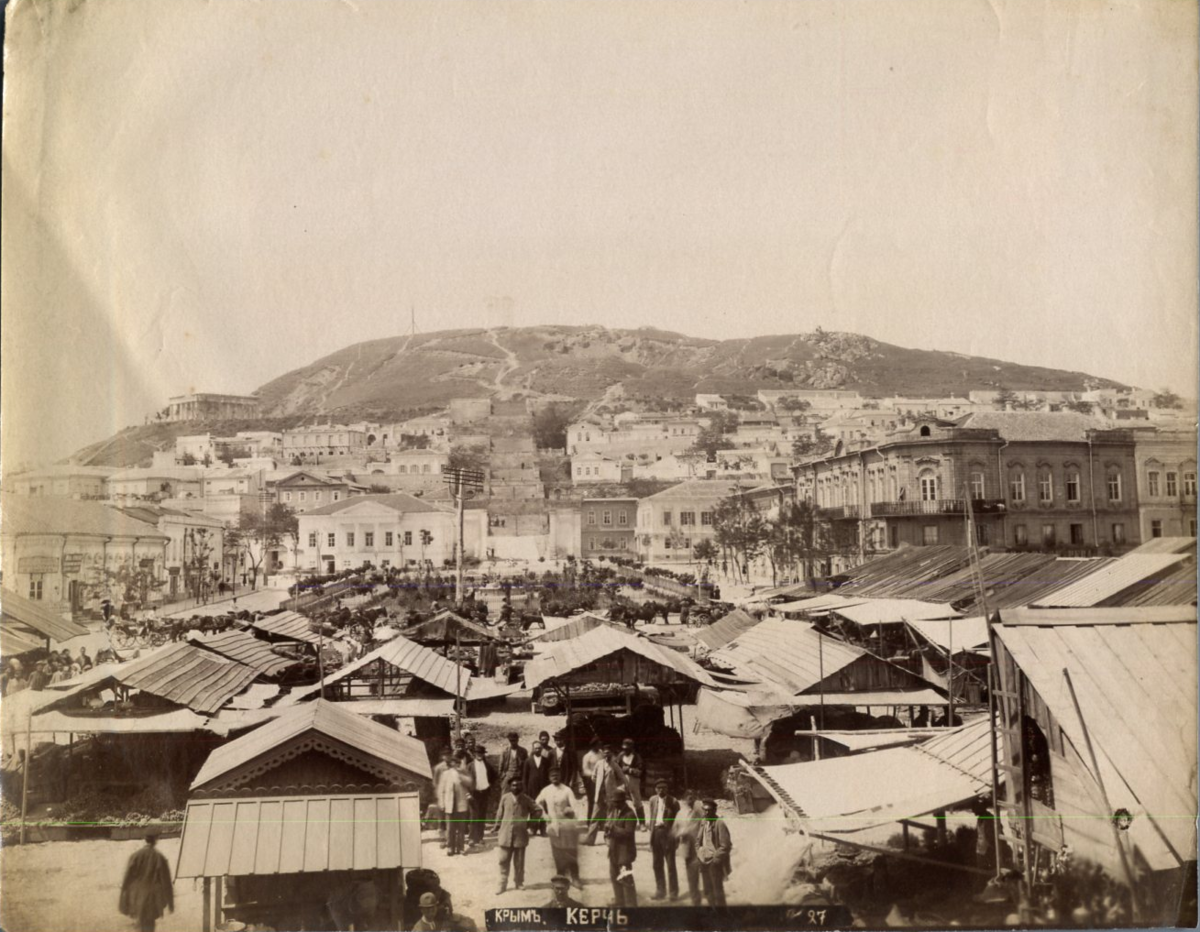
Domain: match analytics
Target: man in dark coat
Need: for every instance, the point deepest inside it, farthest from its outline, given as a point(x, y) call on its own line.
point(536, 777)
point(713, 849)
point(620, 829)
point(512, 760)
point(661, 812)
point(146, 890)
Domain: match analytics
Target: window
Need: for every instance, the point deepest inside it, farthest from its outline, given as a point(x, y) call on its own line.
point(1114, 486)
point(316, 496)
point(287, 496)
point(1020, 535)
point(1152, 483)
point(929, 534)
point(982, 534)
point(687, 518)
point(893, 533)
point(424, 467)
point(1048, 535)
point(388, 539)
point(706, 519)
point(976, 486)
point(407, 538)
point(349, 538)
point(1016, 486)
point(606, 518)
point(666, 519)
point(1172, 484)
point(622, 518)
point(303, 496)
point(337, 496)
point(368, 538)
point(403, 470)
point(1036, 751)
point(1077, 534)
point(1073, 487)
point(330, 540)
point(591, 516)
point(35, 588)
point(1046, 487)
point(929, 491)
point(1118, 533)
point(312, 539)
point(1156, 528)
point(1189, 484)
point(1191, 527)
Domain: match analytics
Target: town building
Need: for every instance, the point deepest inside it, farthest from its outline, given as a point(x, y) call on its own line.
point(818, 399)
point(434, 426)
point(395, 530)
point(1166, 483)
point(206, 406)
point(608, 526)
point(316, 443)
point(1030, 480)
point(63, 481)
point(305, 490)
point(71, 554)
point(155, 483)
point(416, 463)
point(596, 467)
point(670, 523)
point(195, 558)
point(711, 403)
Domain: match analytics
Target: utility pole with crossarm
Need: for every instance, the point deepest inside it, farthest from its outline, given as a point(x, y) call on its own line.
point(461, 480)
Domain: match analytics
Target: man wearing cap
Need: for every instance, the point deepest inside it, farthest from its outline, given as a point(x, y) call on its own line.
point(562, 889)
point(631, 762)
point(662, 809)
point(558, 803)
point(620, 829)
point(512, 760)
point(429, 914)
point(512, 827)
point(713, 847)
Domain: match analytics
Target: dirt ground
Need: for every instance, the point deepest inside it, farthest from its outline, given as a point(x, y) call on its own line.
point(73, 886)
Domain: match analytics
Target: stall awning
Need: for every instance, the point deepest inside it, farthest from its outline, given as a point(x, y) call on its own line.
point(299, 835)
point(821, 603)
point(850, 794)
point(894, 611)
point(886, 697)
point(291, 625)
point(957, 633)
point(178, 721)
point(16, 610)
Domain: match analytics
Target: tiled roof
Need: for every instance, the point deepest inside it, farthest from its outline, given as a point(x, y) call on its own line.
point(51, 515)
point(399, 502)
point(1035, 425)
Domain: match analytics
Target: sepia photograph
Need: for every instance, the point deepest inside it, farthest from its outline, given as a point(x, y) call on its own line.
point(650, 466)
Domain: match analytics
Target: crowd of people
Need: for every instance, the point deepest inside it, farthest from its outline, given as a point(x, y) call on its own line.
point(55, 667)
point(536, 796)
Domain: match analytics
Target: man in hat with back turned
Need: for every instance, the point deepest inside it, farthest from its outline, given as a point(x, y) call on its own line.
point(146, 890)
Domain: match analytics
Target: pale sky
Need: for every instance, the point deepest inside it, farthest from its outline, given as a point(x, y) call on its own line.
point(205, 195)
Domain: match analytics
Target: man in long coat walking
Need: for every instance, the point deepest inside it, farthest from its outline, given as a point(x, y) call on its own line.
point(512, 826)
point(147, 890)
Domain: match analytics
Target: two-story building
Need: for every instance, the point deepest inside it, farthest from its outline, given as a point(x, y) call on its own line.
point(608, 526)
point(195, 558)
point(394, 530)
point(155, 483)
point(305, 490)
point(670, 523)
point(1166, 482)
point(63, 481)
point(596, 467)
point(315, 443)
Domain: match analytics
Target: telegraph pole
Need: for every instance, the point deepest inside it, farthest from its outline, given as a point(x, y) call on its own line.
point(461, 480)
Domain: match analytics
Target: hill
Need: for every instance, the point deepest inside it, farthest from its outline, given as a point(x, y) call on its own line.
point(382, 378)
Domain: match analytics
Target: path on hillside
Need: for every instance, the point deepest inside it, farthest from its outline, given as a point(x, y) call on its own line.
point(342, 381)
point(511, 363)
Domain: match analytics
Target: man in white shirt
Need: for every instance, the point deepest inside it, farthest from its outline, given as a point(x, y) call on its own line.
point(485, 778)
point(590, 760)
point(558, 802)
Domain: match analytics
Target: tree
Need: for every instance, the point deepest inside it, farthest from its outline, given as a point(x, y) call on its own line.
point(739, 531)
point(550, 427)
point(1079, 407)
point(377, 488)
point(705, 551)
point(229, 454)
point(711, 438)
point(263, 530)
point(791, 403)
point(188, 459)
point(815, 445)
point(1006, 399)
point(1167, 399)
point(414, 442)
point(468, 457)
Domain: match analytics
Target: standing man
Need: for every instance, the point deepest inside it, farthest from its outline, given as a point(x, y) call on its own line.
point(562, 894)
point(439, 771)
point(547, 751)
point(512, 760)
point(607, 777)
point(454, 794)
point(663, 808)
point(588, 770)
point(481, 790)
point(558, 803)
point(512, 825)
point(620, 829)
point(687, 833)
point(429, 914)
point(631, 762)
point(146, 890)
point(713, 848)
point(535, 778)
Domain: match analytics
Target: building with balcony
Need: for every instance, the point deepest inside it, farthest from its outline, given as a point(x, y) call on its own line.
point(1042, 481)
point(304, 490)
point(317, 443)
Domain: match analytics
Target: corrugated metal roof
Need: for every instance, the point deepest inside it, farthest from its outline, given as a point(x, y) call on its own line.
point(1136, 685)
point(176, 721)
point(445, 625)
point(1176, 587)
point(244, 648)
point(423, 663)
point(821, 603)
point(19, 610)
point(574, 627)
point(894, 611)
point(849, 794)
point(788, 653)
point(287, 625)
point(721, 632)
point(858, 741)
point(299, 835)
point(1167, 545)
point(905, 573)
point(331, 720)
point(958, 633)
point(1001, 573)
point(1130, 572)
point(184, 674)
point(1048, 577)
point(598, 643)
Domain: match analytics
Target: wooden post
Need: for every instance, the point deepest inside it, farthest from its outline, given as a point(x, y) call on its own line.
point(206, 906)
point(70, 753)
point(218, 902)
point(682, 747)
point(25, 771)
point(1116, 833)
